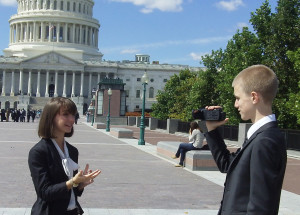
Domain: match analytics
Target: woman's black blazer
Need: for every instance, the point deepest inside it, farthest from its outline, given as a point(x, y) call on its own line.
point(49, 179)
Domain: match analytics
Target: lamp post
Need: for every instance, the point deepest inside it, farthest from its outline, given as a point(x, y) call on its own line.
point(109, 92)
point(145, 80)
point(93, 105)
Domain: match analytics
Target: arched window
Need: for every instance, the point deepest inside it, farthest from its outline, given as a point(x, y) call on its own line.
point(151, 92)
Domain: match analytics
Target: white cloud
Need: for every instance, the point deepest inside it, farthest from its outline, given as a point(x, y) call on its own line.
point(240, 25)
point(230, 5)
point(129, 51)
point(8, 2)
point(197, 56)
point(141, 47)
point(150, 5)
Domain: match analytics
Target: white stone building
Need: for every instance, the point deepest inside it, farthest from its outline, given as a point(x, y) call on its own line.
point(53, 51)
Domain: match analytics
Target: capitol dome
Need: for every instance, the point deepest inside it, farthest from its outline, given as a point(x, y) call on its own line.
point(64, 26)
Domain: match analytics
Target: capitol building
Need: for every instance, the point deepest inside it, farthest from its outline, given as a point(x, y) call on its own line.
point(53, 51)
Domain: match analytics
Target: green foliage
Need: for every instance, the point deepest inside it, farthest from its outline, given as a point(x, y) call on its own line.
point(275, 43)
point(294, 97)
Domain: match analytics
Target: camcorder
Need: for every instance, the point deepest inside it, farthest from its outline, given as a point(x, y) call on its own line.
point(209, 115)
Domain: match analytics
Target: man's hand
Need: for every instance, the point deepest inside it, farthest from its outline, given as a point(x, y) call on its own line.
point(212, 125)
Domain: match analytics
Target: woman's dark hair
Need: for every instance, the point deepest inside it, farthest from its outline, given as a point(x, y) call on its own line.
point(194, 125)
point(51, 109)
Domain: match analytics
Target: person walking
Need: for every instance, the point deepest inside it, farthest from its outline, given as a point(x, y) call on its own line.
point(53, 162)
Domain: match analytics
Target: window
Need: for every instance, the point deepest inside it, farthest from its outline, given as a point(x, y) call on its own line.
point(68, 6)
point(55, 5)
point(138, 79)
point(127, 79)
point(127, 93)
point(61, 5)
point(48, 4)
point(151, 79)
point(138, 94)
point(79, 9)
point(74, 6)
point(151, 92)
point(137, 106)
point(165, 80)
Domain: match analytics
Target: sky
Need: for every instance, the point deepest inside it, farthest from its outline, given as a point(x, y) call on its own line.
point(170, 31)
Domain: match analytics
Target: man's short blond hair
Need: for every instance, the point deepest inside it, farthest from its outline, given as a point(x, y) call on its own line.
point(260, 79)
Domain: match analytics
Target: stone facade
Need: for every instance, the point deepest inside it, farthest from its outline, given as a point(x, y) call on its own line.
point(53, 51)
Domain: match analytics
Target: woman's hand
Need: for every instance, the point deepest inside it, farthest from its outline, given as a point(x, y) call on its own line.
point(212, 125)
point(86, 177)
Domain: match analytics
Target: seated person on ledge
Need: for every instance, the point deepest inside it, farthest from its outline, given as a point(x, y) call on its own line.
point(196, 138)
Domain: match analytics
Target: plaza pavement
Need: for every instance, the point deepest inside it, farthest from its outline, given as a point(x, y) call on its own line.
point(134, 179)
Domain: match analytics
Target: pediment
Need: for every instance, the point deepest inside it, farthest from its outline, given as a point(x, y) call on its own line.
point(53, 58)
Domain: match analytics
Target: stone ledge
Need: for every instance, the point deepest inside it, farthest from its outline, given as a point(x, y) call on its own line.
point(99, 125)
point(194, 160)
point(121, 132)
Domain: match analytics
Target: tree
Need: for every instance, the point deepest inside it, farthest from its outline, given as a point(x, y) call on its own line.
point(279, 33)
point(242, 50)
point(294, 98)
point(171, 102)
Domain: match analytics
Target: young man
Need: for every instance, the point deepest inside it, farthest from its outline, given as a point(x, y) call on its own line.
point(255, 172)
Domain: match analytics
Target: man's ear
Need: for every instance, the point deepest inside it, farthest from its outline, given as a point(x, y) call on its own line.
point(255, 97)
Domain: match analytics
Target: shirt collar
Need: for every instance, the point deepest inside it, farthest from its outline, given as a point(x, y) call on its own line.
point(260, 123)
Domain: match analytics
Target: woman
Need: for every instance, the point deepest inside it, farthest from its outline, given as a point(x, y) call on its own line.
point(53, 162)
point(196, 138)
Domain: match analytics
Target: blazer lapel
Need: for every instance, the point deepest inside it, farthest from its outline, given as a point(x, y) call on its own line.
point(56, 157)
point(261, 129)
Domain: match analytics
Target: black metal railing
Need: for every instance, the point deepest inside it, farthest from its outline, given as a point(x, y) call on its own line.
point(146, 122)
point(162, 124)
point(292, 138)
point(229, 132)
point(183, 127)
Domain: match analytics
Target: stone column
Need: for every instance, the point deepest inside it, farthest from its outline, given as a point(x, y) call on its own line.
point(42, 32)
point(73, 85)
point(81, 84)
point(47, 84)
point(81, 35)
point(22, 33)
point(38, 93)
point(57, 32)
point(65, 84)
point(3, 83)
point(91, 37)
point(27, 33)
point(56, 84)
point(73, 33)
point(21, 83)
point(50, 32)
point(17, 33)
point(12, 89)
point(90, 85)
point(34, 32)
point(66, 33)
point(86, 35)
point(29, 84)
point(98, 79)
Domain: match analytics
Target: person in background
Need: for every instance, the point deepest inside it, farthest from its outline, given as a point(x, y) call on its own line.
point(196, 138)
point(255, 171)
point(53, 162)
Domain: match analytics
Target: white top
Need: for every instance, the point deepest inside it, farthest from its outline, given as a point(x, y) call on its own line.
point(197, 138)
point(260, 123)
point(69, 166)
